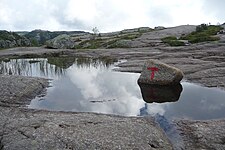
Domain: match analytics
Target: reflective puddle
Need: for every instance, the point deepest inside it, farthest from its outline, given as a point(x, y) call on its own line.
point(90, 85)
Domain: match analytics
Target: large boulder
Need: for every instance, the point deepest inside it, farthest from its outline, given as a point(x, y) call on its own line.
point(155, 72)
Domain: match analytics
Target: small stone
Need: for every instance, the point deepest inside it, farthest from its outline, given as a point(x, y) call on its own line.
point(155, 72)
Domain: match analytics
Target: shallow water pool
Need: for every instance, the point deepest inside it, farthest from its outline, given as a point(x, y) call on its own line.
point(90, 85)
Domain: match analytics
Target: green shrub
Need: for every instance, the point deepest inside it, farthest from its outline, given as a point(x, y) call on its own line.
point(172, 41)
point(203, 33)
point(169, 38)
point(94, 44)
point(130, 36)
point(90, 44)
point(201, 28)
point(34, 42)
point(176, 43)
point(141, 31)
point(109, 43)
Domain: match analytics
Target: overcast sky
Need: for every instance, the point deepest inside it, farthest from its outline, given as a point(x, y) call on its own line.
point(107, 15)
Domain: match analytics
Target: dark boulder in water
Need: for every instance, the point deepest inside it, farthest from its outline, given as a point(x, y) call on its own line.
point(160, 94)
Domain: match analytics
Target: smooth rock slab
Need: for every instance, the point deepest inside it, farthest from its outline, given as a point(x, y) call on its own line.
point(207, 134)
point(24, 129)
point(17, 91)
point(155, 72)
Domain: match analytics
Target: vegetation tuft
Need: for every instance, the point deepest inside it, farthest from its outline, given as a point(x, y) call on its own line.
point(173, 41)
point(120, 40)
point(203, 33)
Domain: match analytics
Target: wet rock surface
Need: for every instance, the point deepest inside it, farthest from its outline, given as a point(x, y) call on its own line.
point(155, 72)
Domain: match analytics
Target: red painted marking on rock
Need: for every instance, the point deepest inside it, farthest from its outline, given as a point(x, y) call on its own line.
point(153, 69)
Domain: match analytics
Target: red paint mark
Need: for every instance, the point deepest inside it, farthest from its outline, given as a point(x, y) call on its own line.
point(153, 69)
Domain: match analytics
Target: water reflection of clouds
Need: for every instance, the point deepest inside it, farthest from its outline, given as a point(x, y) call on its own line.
point(117, 90)
point(85, 80)
point(198, 102)
point(77, 88)
point(156, 108)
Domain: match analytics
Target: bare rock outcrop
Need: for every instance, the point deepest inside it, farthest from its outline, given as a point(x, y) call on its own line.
point(61, 41)
point(32, 129)
point(17, 91)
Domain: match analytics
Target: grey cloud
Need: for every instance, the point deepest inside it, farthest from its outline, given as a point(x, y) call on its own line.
point(160, 16)
point(59, 16)
point(215, 8)
point(29, 15)
point(111, 15)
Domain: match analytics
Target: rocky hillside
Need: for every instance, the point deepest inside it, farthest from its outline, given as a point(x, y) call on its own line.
point(122, 39)
point(33, 38)
point(129, 38)
point(139, 37)
point(39, 37)
point(12, 39)
point(100, 40)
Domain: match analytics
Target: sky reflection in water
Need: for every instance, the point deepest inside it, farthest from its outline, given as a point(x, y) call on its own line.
point(91, 86)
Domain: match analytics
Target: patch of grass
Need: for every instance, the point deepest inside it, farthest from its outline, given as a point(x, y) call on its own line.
point(77, 47)
point(3, 49)
point(90, 44)
point(176, 43)
point(117, 44)
point(130, 36)
point(172, 41)
point(201, 38)
point(99, 43)
point(169, 38)
point(94, 44)
point(141, 31)
point(203, 33)
point(108, 43)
